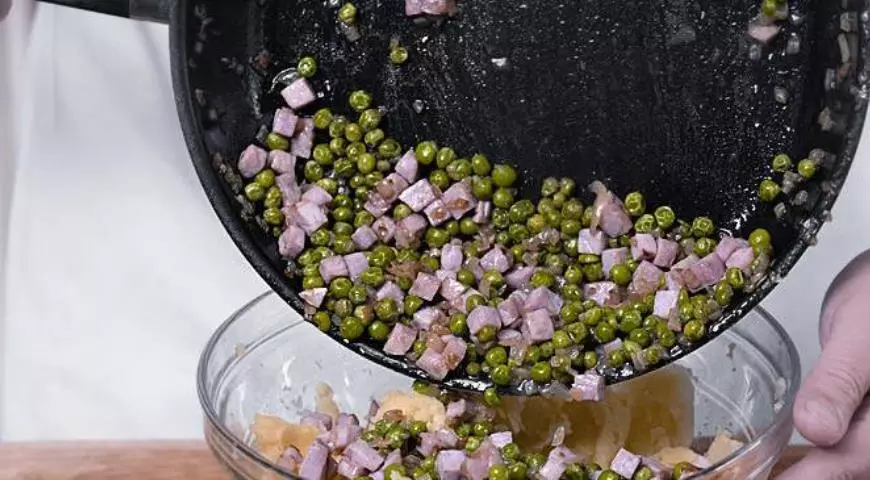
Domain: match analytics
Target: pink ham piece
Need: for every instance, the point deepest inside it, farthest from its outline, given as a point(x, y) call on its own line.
point(461, 302)
point(661, 471)
point(452, 289)
point(303, 142)
point(282, 162)
point(481, 212)
point(509, 311)
point(290, 459)
point(510, 338)
point(364, 237)
point(451, 257)
point(413, 8)
point(425, 317)
point(587, 387)
point(612, 257)
point(320, 421)
point(454, 351)
point(643, 246)
point(385, 228)
point(317, 196)
point(314, 465)
point(348, 469)
point(446, 438)
point(356, 264)
point(501, 439)
point(456, 409)
point(407, 166)
point(459, 199)
point(537, 326)
point(419, 195)
point(290, 190)
point(346, 430)
point(391, 290)
point(432, 362)
point(481, 317)
point(602, 293)
point(433, 7)
point(625, 463)
point(360, 453)
point(307, 216)
point(542, 297)
point(608, 212)
point(729, 245)
point(313, 296)
point(557, 462)
point(390, 187)
point(496, 259)
point(645, 279)
point(376, 205)
point(409, 231)
point(400, 340)
point(425, 286)
point(519, 277)
point(666, 253)
point(251, 161)
point(741, 258)
point(284, 122)
point(612, 346)
point(591, 243)
point(332, 267)
point(436, 212)
point(667, 305)
point(478, 463)
point(448, 464)
point(291, 242)
point(673, 281)
point(706, 272)
point(445, 274)
point(427, 444)
point(298, 94)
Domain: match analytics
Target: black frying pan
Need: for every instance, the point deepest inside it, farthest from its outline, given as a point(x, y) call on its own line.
point(664, 96)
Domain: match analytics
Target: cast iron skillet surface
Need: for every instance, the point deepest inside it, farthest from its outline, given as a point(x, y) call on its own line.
point(661, 96)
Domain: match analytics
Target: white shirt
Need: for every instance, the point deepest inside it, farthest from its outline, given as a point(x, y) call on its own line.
point(118, 269)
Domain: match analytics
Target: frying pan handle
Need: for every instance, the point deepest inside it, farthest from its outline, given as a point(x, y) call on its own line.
point(151, 10)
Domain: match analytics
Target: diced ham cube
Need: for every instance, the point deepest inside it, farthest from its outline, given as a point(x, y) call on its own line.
point(456, 409)
point(612, 257)
point(298, 94)
point(291, 192)
point(612, 346)
point(741, 258)
point(449, 463)
point(251, 161)
point(557, 461)
point(376, 205)
point(362, 454)
point(459, 199)
point(400, 340)
point(685, 263)
point(496, 259)
point(385, 227)
point(729, 245)
point(542, 297)
point(538, 326)
point(482, 316)
point(454, 352)
point(291, 242)
point(452, 289)
point(321, 421)
point(445, 274)
point(501, 439)
point(427, 444)
point(349, 469)
point(673, 281)
point(509, 312)
point(313, 296)
point(290, 459)
point(432, 362)
point(390, 187)
point(608, 212)
point(481, 212)
point(519, 277)
point(407, 166)
point(592, 243)
point(284, 122)
point(645, 279)
point(511, 338)
point(303, 142)
point(332, 267)
point(602, 293)
point(588, 387)
point(308, 216)
point(314, 465)
point(425, 286)
point(706, 272)
point(317, 195)
point(409, 231)
point(364, 237)
point(625, 463)
point(425, 317)
point(419, 195)
point(643, 246)
point(282, 162)
point(667, 305)
point(436, 7)
point(451, 257)
point(461, 302)
point(436, 212)
point(391, 290)
point(666, 253)
point(413, 7)
point(356, 264)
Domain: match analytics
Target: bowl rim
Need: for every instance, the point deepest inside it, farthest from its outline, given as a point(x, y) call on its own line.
point(783, 416)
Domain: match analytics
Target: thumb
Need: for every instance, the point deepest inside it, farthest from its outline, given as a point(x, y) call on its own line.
point(838, 383)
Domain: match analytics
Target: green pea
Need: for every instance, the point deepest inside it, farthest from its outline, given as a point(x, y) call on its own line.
point(379, 331)
point(723, 293)
point(491, 397)
point(665, 217)
point(593, 272)
point(500, 375)
point(322, 118)
point(312, 281)
point(322, 320)
point(358, 294)
point(276, 141)
point(646, 223)
point(465, 277)
point(611, 475)
point(604, 332)
point(498, 472)
point(273, 216)
point(369, 119)
point(486, 334)
point(561, 339)
point(389, 148)
point(398, 55)
point(274, 198)
point(444, 157)
point(768, 190)
point(702, 227)
point(734, 277)
point(496, 356)
point(265, 178)
point(472, 444)
point(374, 137)
point(575, 471)
point(694, 330)
point(681, 469)
point(500, 218)
point(542, 278)
point(436, 237)
point(472, 369)
point(459, 169)
point(535, 460)
point(336, 128)
point(481, 429)
point(503, 198)
point(635, 204)
point(359, 100)
point(373, 276)
point(617, 358)
point(347, 13)
point(386, 309)
point(781, 163)
point(760, 239)
point(807, 168)
point(439, 178)
point(355, 148)
point(353, 132)
point(518, 471)
point(306, 67)
point(254, 192)
point(590, 359)
point(620, 274)
point(768, 8)
point(704, 246)
point(351, 328)
point(504, 175)
point(480, 164)
point(474, 301)
point(549, 186)
point(425, 152)
point(394, 471)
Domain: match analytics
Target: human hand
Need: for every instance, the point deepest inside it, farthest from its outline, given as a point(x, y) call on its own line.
point(832, 409)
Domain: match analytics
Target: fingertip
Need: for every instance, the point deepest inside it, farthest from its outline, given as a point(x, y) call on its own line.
point(818, 420)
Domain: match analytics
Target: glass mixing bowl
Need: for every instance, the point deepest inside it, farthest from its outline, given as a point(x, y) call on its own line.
point(266, 359)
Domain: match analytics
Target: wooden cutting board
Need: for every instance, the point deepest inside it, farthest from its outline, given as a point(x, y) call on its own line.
point(158, 460)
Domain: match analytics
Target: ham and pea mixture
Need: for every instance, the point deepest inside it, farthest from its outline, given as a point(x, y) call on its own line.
point(427, 435)
point(434, 256)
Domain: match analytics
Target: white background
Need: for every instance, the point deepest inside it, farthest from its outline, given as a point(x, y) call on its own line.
point(117, 268)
